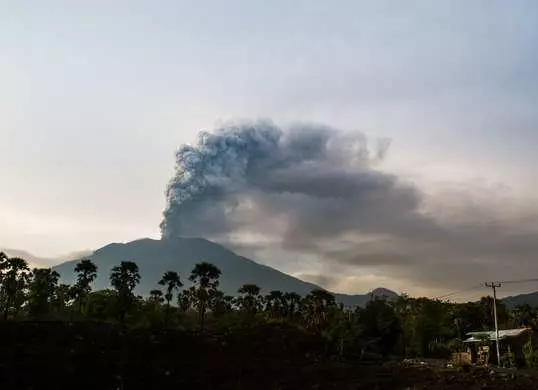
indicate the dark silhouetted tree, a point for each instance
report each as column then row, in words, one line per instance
column 523, row 316
column 275, row 304
column 292, row 305
column 317, row 307
column 380, row 325
column 15, row 275
column 156, row 296
column 3, row 263
column 172, row 282
column 185, row 299
column 221, row 304
column 42, row 287
column 86, row 272
column 249, row 301
column 102, row 304
column 205, row 277
column 62, row 298
column 124, row 278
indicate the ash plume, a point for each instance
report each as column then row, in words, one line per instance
column 313, row 196
column 315, row 176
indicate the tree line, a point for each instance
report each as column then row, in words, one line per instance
column 404, row 326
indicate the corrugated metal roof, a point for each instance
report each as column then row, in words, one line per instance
column 490, row 334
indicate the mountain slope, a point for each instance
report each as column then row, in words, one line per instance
column 154, row 257
column 521, row 299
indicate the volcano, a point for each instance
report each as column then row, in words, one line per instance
column 155, row 257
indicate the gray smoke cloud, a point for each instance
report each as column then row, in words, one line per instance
column 314, row 200
column 316, row 175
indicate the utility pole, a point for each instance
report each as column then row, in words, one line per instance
column 494, row 286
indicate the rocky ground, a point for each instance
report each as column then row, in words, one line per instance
column 98, row 356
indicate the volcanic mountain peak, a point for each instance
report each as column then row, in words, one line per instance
column 154, row 257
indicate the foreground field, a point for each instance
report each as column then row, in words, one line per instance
column 99, row 356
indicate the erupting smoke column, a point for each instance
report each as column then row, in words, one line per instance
column 246, row 159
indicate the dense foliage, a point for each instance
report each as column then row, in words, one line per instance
column 405, row 326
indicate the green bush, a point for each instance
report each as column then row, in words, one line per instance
column 531, row 356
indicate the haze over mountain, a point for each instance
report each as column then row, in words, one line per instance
column 155, row 257
column 38, row 261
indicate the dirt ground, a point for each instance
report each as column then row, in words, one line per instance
column 97, row 356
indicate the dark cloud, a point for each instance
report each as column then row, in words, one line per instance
column 326, row 281
column 373, row 259
column 320, row 192
column 471, row 248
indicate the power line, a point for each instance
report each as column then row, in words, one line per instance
column 519, row 281
column 475, row 287
column 482, row 285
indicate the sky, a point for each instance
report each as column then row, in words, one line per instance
column 96, row 97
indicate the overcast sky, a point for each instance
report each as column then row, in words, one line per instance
column 95, row 97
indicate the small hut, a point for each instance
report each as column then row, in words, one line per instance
column 482, row 346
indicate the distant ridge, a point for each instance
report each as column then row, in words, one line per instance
column 154, row 257
column 521, row 299
column 37, row 261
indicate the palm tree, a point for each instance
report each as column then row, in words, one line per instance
column 205, row 277
column 124, row 278
column 318, row 305
column 250, row 299
column 221, row 304
column 173, row 283
column 42, row 288
column 15, row 276
column 184, row 299
column 275, row 303
column 86, row 273
column 293, row 302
